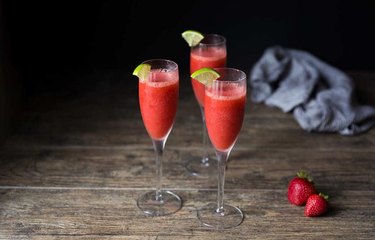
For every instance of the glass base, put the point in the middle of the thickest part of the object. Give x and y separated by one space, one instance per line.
197 167
168 204
230 217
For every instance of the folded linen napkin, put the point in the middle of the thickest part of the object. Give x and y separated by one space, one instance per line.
320 96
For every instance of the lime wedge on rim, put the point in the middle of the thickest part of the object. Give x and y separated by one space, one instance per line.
192 37
205 75
142 71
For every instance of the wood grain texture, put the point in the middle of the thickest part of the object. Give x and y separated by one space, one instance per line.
247 169
80 157
108 213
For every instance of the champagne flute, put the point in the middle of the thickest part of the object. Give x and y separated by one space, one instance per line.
158 99
225 101
210 52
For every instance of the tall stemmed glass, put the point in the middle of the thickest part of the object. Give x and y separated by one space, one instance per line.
210 52
158 100
225 101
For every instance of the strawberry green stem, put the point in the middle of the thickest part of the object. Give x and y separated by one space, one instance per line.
305 175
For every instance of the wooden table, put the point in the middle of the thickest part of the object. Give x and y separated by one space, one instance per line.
80 157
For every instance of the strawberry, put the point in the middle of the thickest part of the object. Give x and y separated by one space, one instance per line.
316 205
300 188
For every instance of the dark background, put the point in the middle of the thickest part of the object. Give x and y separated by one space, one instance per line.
45 39
58 36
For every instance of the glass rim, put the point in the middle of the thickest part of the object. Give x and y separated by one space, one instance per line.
241 78
215 35
150 61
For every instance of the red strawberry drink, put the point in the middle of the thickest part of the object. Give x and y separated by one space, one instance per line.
210 52
224 104
158 99
224 110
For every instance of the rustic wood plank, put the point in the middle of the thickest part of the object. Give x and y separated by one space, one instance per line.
81 156
247 169
263 127
111 214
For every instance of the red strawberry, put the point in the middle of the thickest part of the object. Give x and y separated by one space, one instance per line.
300 188
316 205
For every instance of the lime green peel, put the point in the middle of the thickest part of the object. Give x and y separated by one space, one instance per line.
142 71
205 75
192 37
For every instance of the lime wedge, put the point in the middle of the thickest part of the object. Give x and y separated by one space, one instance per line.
205 75
192 37
142 71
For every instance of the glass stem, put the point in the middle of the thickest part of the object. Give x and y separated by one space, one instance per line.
222 162
205 158
159 149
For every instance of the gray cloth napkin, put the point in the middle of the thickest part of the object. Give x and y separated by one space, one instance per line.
320 96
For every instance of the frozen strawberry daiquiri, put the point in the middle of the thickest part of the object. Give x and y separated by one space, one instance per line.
225 100
158 99
224 112
210 52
